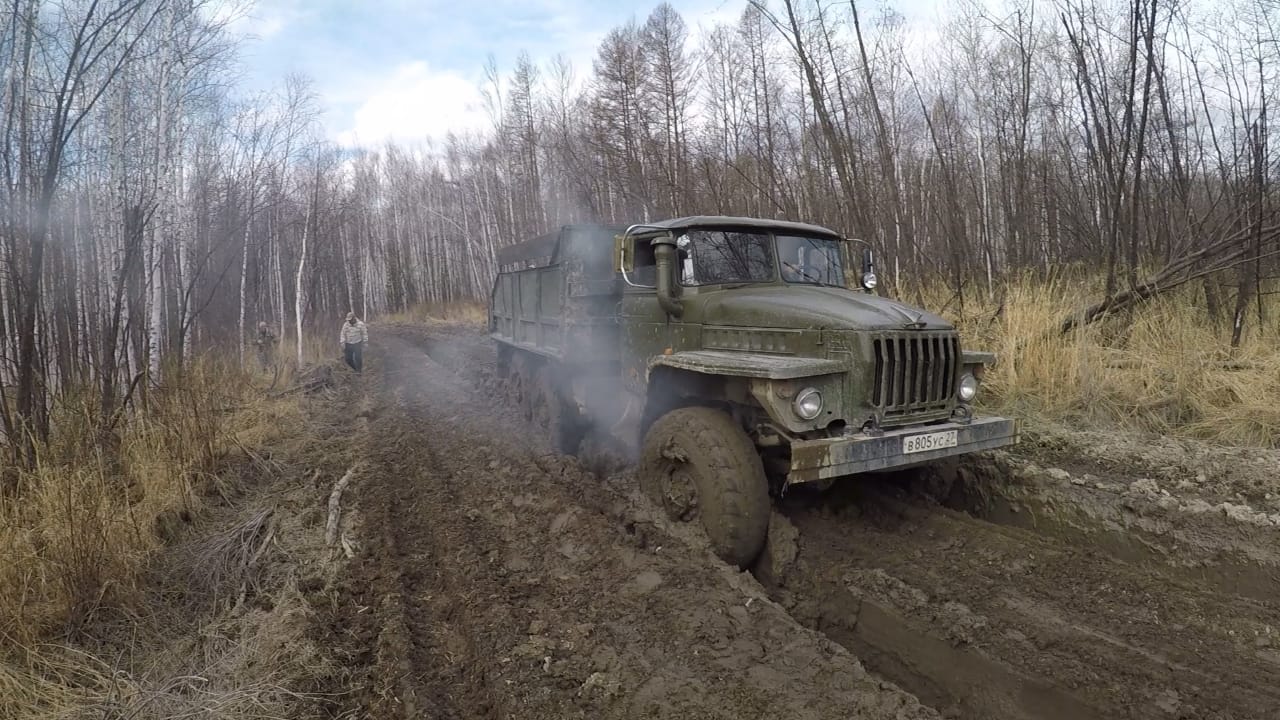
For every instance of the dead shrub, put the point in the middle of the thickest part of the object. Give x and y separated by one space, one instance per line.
80 526
1161 367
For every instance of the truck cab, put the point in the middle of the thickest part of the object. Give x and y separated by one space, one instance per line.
741 356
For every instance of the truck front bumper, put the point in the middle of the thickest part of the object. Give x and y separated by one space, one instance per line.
828 458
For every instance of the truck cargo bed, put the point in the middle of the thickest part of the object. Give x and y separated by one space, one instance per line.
558 291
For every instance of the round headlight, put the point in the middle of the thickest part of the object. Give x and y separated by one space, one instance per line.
869 280
968 388
808 404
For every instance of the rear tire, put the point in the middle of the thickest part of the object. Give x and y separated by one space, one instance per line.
562 421
697 463
504 362
521 384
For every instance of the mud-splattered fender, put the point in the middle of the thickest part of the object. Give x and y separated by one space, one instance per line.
772 380
749 365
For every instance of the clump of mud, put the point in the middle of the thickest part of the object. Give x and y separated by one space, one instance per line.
1183 467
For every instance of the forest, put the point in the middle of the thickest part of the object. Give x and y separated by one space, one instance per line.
153 212
1085 187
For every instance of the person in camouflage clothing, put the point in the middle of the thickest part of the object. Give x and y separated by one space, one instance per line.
265 342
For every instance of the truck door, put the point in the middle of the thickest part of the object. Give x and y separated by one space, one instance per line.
645 329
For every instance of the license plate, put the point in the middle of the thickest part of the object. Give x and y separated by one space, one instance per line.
930 441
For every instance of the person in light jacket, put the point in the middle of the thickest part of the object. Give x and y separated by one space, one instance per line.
353 337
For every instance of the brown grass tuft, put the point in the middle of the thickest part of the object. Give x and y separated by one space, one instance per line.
1161 367
221 569
246 669
82 524
471 313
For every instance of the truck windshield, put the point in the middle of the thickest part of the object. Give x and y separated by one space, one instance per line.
723 256
816 261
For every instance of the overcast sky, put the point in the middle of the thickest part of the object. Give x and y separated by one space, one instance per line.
405 70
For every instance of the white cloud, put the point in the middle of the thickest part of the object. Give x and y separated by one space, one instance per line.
414 104
259 21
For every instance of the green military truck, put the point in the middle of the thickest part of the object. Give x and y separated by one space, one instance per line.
738 356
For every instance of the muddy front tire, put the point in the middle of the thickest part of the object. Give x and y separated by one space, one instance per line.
697 464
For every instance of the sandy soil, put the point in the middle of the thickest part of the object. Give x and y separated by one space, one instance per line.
490 577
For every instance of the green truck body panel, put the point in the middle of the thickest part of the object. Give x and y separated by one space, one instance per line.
885 370
803 306
747 364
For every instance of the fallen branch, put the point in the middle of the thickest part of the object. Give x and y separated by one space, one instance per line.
1224 365
263 465
311 380
1214 257
227 562
335 507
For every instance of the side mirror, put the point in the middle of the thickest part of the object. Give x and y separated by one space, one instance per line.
624 253
624 259
867 279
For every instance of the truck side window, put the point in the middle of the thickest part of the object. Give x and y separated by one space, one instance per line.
725 256
646 270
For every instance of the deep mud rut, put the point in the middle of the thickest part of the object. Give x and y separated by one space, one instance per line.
493 578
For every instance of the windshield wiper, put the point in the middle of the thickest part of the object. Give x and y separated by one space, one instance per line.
802 273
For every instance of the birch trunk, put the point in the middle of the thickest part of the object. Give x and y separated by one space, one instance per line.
164 193
273 235
298 290
244 276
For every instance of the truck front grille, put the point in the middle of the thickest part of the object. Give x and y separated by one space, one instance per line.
915 372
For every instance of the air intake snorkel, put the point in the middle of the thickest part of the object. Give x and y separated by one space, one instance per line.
664 255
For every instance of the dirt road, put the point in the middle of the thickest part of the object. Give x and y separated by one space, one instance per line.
493 578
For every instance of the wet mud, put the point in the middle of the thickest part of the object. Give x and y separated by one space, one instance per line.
495 578
1017 595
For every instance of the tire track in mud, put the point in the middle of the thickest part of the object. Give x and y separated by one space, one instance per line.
1038 607
522 586
410 639
987 620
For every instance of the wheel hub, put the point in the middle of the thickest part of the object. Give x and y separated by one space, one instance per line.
680 493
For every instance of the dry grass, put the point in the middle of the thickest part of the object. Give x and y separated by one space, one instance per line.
223 567
232 671
282 367
1160 368
83 524
472 313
